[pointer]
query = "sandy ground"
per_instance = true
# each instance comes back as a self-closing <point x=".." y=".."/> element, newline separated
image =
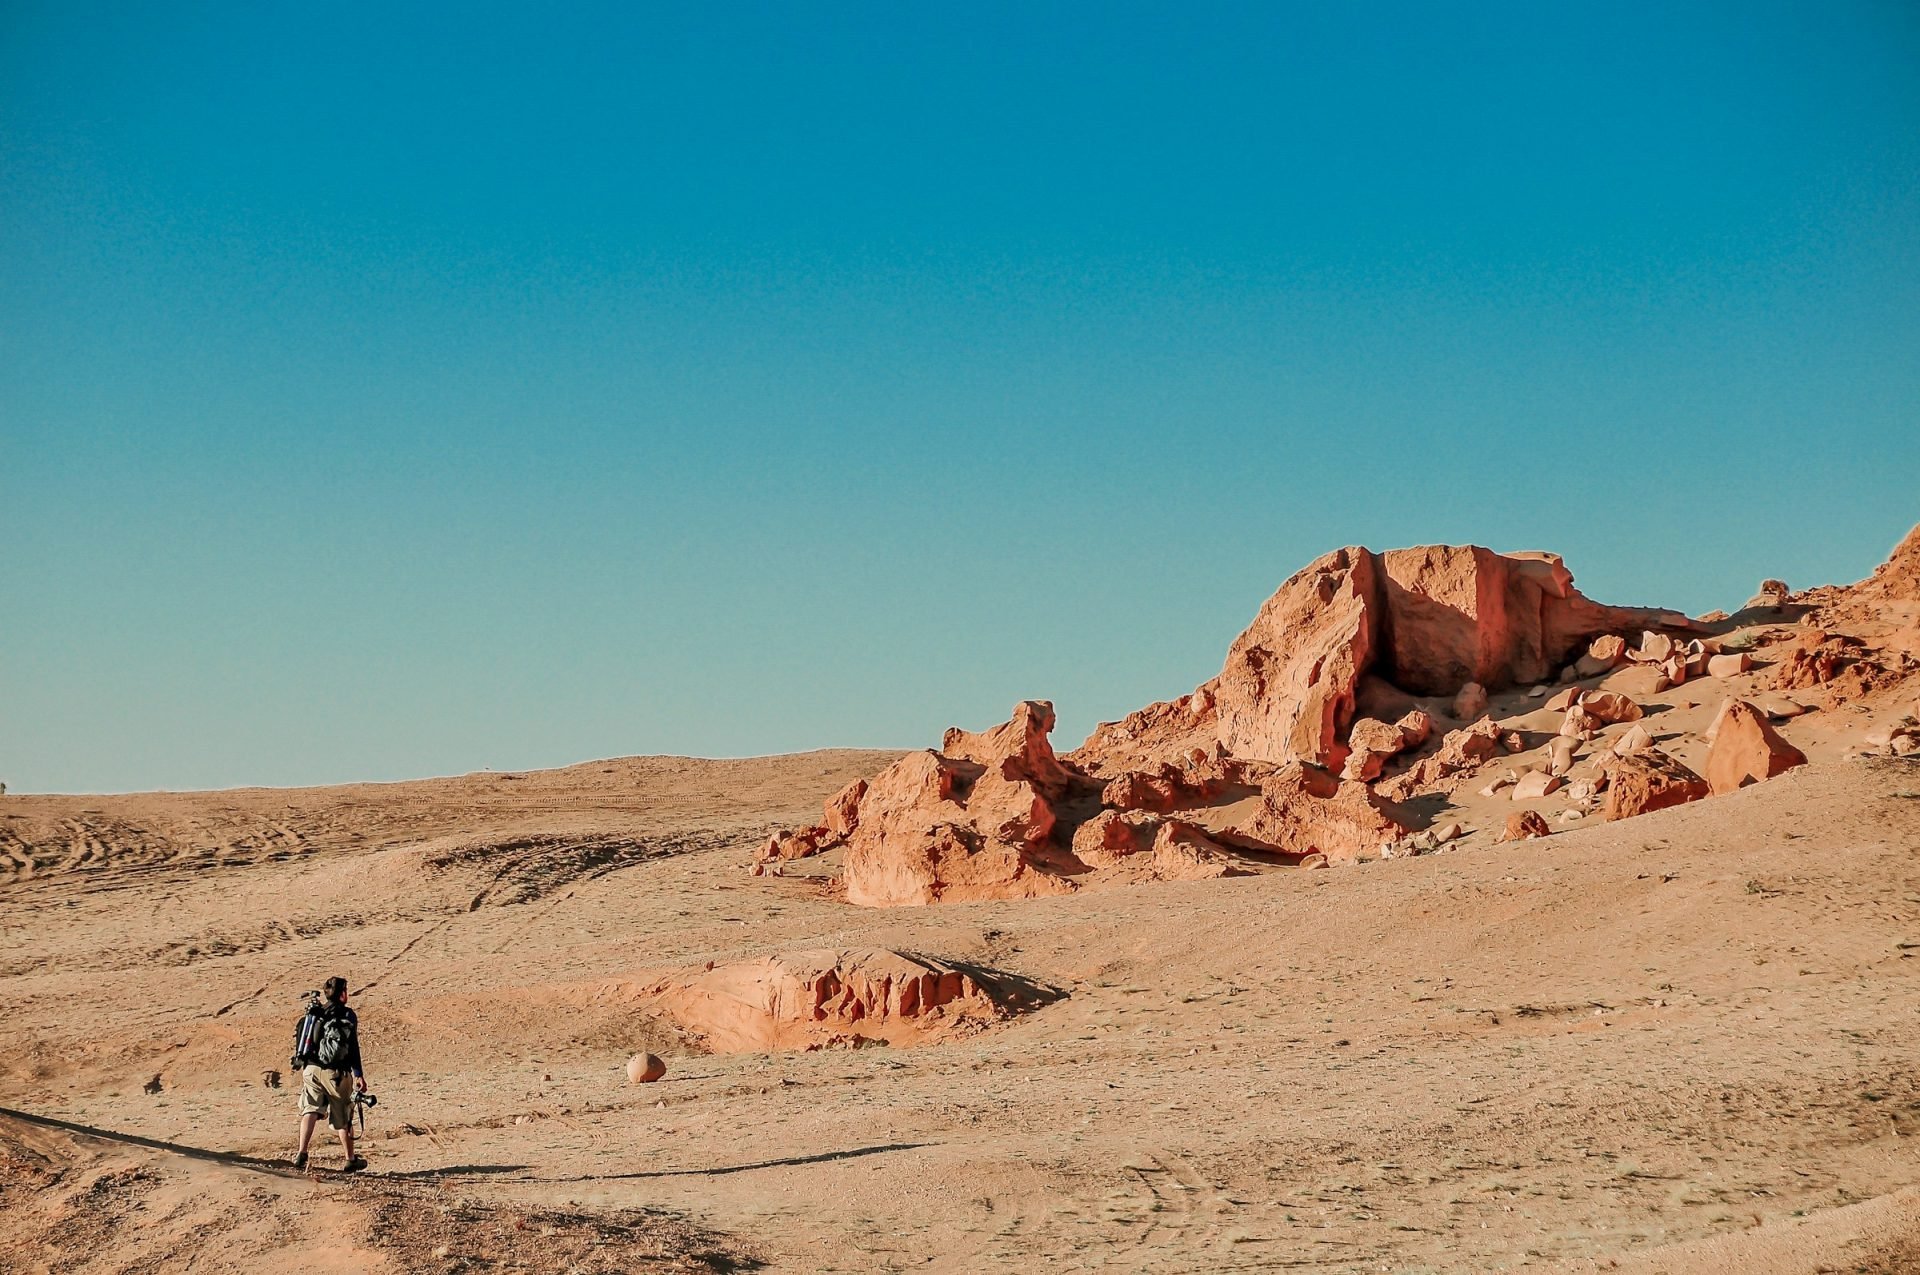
<point x="1678" y="1043"/>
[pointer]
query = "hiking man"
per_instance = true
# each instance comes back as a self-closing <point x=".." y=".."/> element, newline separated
<point x="326" y="1047"/>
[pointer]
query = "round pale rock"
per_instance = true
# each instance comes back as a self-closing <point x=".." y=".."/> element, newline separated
<point x="644" y="1069"/>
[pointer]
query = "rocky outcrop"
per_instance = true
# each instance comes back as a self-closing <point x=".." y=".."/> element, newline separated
<point x="1183" y="852"/>
<point x="1372" y="743"/>
<point x="1840" y="664"/>
<point x="1317" y="725"/>
<point x="996" y="815"/>
<point x="1898" y="578"/>
<point x="974" y="821"/>
<point x="1747" y="749"/>
<point x="1429" y="621"/>
<point x="810" y="999"/>
<point x="1304" y="809"/>
<point x="1461" y="752"/>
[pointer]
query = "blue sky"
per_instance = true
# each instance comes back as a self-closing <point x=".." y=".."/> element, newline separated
<point x="401" y="391"/>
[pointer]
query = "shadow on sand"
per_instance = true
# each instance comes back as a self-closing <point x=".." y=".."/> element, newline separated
<point x="281" y="1168"/>
<point x="822" y="1158"/>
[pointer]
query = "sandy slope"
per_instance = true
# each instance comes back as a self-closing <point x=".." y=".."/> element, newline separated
<point x="1694" y="1029"/>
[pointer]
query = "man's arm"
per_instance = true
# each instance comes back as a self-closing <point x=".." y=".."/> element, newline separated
<point x="353" y="1060"/>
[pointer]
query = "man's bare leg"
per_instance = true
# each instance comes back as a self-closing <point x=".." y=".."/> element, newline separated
<point x="307" y="1123"/>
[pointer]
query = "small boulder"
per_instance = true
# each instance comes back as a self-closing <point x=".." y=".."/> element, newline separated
<point x="1470" y="702"/>
<point x="1524" y="825"/>
<point x="1655" y="648"/>
<point x="1636" y="740"/>
<point x="1580" y="724"/>
<point x="1642" y="681"/>
<point x="1416" y="727"/>
<point x="1747" y="749"/>
<point x="1648" y="782"/>
<point x="1611" y="707"/>
<point x="644" y="1069"/>
<point x="1566" y="699"/>
<point x="1603" y="655"/>
<point x="1730" y="664"/>
<point x="1534" y="785"/>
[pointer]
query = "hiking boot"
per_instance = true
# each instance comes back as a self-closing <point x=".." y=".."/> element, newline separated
<point x="300" y="1162"/>
<point x="354" y="1165"/>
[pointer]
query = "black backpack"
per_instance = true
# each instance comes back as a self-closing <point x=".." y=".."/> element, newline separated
<point x="333" y="1048"/>
<point x="326" y="1039"/>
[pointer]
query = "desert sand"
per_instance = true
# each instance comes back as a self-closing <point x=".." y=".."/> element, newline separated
<point x="1678" y="1041"/>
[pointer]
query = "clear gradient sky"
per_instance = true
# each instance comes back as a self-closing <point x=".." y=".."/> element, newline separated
<point x="394" y="390"/>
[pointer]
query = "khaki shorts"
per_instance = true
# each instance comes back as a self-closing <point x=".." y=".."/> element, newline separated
<point x="327" y="1093"/>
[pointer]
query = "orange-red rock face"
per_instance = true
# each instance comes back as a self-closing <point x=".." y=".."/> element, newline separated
<point x="1428" y="620"/>
<point x="1747" y="749"/>
<point x="808" y="999"/>
<point x="976" y="823"/>
<point x="1898" y="578"/>
<point x="1269" y="759"/>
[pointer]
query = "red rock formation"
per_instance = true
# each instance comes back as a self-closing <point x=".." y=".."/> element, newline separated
<point x="842" y="810"/>
<point x="976" y="825"/>
<point x="1650" y="781"/>
<point x="1426" y="620"/>
<point x="1747" y="749"/>
<point x="1286" y="692"/>
<point x="1898" y="578"/>
<point x="1372" y="742"/>
<point x="808" y="999"/>
<point x="1303" y="809"/>
<point x="1169" y="788"/>
<point x="1112" y="836"/>
<point x="1182" y="852"/>
<point x="1460" y="753"/>
<point x="1840" y="664"/>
